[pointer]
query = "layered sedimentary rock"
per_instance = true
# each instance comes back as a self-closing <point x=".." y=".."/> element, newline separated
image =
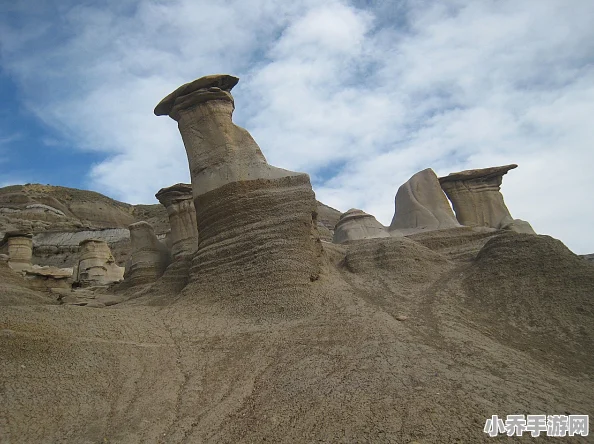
<point x="421" y="205"/>
<point x="73" y="239"/>
<point x="178" y="201"/>
<point x="256" y="223"/>
<point x="96" y="265"/>
<point x="47" y="277"/>
<point x="20" y="250"/>
<point x="20" y="253"/>
<point x="477" y="200"/>
<point x="357" y="224"/>
<point x="149" y="257"/>
<point x="219" y="152"/>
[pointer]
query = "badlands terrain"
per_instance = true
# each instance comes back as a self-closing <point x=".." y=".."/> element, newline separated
<point x="240" y="309"/>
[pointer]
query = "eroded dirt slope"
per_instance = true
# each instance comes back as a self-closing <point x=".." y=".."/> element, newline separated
<point x="401" y="341"/>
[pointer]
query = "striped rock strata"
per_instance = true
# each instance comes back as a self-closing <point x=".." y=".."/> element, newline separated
<point x="257" y="223"/>
<point x="20" y="250"/>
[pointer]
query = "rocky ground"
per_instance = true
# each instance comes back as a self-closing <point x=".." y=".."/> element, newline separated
<point x="412" y="339"/>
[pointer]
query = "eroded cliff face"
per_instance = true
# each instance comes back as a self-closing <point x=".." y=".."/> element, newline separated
<point x="60" y="218"/>
<point x="40" y="207"/>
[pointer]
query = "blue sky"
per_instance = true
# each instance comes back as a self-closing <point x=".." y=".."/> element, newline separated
<point x="359" y="94"/>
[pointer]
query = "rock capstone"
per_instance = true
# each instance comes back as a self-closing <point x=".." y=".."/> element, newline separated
<point x="477" y="200"/>
<point x="219" y="152"/>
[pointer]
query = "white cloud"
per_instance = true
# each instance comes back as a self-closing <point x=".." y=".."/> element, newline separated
<point x="368" y="95"/>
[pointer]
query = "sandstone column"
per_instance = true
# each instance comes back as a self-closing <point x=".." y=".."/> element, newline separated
<point x="256" y="223"/>
<point x="149" y="257"/>
<point x="477" y="200"/>
<point x="178" y="201"/>
<point x="96" y="264"/>
<point x="20" y="250"/>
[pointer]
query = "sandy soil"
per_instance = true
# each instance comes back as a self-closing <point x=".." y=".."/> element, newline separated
<point x="402" y="340"/>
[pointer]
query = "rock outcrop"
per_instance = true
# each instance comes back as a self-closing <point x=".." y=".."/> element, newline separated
<point x="421" y="205"/>
<point x="219" y="152"/>
<point x="178" y="201"/>
<point x="20" y="253"/>
<point x="356" y="225"/>
<point x="149" y="257"/>
<point x="48" y="278"/>
<point x="477" y="200"/>
<point x="96" y="264"/>
<point x="36" y="208"/>
<point x="20" y="250"/>
<point x="256" y="223"/>
<point x="62" y="208"/>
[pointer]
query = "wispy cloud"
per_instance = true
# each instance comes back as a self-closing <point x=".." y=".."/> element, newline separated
<point x="6" y="139"/>
<point x="360" y="96"/>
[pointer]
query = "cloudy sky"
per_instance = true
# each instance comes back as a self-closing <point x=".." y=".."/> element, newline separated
<point x="359" y="94"/>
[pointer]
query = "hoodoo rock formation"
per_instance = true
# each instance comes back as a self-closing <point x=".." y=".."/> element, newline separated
<point x="256" y="223"/>
<point x="219" y="152"/>
<point x="20" y="250"/>
<point x="477" y="200"/>
<point x="96" y="264"/>
<point x="178" y="201"/>
<point x="261" y="335"/>
<point x="357" y="224"/>
<point x="421" y="205"/>
<point x="149" y="257"/>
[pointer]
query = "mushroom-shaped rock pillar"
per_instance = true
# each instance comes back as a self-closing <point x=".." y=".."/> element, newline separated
<point x="149" y="257"/>
<point x="256" y="223"/>
<point x="357" y="224"/>
<point x="96" y="264"/>
<point x="219" y="152"/>
<point x="178" y="201"/>
<point x="477" y="200"/>
<point x="421" y="205"/>
<point x="20" y="250"/>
